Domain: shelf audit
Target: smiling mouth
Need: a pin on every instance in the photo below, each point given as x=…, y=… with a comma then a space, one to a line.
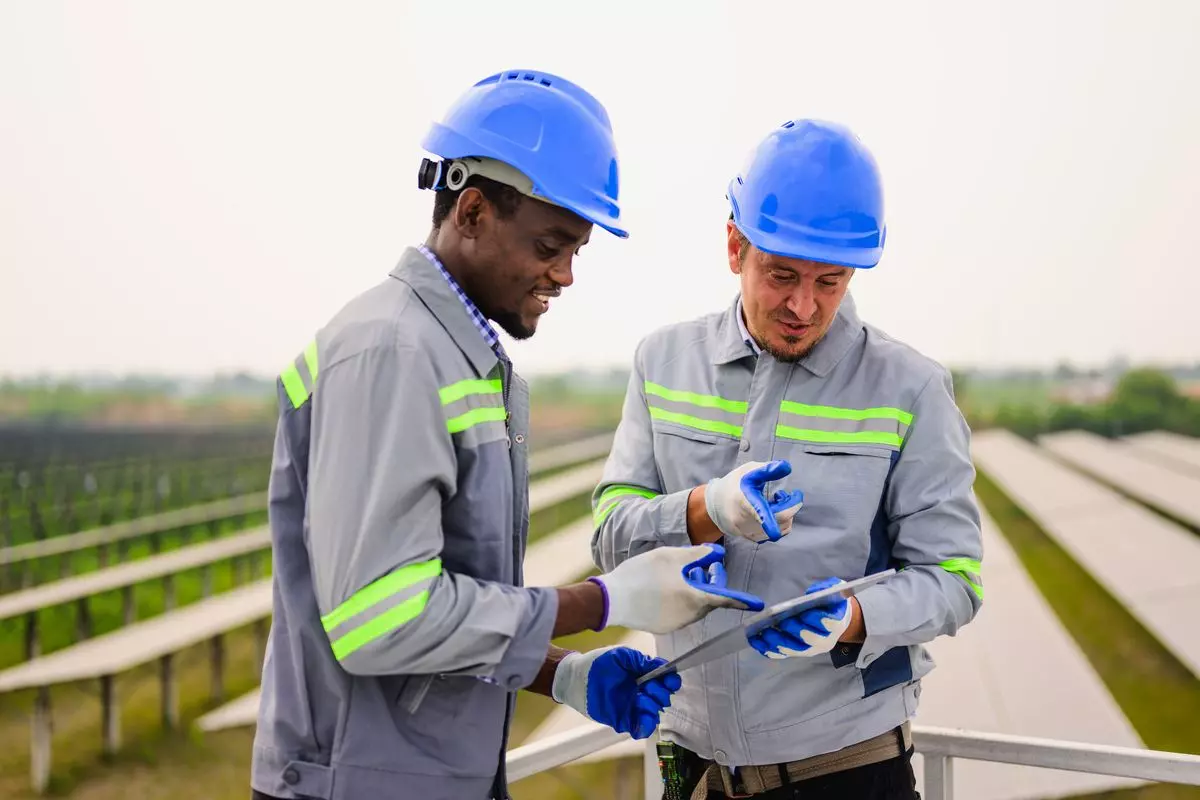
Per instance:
x=543, y=298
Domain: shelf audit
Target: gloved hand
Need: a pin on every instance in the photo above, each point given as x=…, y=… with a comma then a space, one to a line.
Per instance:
x=602, y=685
x=811, y=632
x=666, y=588
x=736, y=504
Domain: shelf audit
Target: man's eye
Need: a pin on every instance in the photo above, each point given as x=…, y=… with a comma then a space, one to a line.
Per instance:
x=829, y=283
x=544, y=250
x=782, y=277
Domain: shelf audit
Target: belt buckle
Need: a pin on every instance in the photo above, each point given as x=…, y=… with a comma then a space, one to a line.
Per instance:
x=732, y=783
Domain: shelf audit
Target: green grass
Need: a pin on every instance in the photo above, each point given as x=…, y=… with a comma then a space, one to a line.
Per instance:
x=1158, y=694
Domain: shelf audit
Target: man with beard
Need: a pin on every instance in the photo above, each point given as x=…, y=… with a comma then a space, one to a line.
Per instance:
x=399, y=488
x=789, y=388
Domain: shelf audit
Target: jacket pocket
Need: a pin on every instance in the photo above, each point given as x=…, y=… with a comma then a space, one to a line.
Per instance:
x=687, y=457
x=455, y=730
x=843, y=487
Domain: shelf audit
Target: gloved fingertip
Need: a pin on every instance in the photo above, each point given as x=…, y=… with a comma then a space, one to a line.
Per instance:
x=779, y=468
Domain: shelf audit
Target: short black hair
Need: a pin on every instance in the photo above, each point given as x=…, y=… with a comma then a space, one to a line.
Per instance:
x=504, y=197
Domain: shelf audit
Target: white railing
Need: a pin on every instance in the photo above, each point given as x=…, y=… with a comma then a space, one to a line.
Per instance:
x=938, y=747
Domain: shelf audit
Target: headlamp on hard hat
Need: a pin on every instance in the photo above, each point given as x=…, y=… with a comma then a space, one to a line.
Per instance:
x=452, y=173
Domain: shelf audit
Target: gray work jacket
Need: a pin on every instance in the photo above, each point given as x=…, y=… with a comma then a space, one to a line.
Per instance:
x=399, y=516
x=882, y=455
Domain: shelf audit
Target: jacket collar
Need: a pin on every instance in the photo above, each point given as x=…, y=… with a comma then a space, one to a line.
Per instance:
x=841, y=336
x=416, y=270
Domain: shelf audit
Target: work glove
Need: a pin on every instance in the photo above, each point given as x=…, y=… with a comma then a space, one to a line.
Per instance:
x=602, y=685
x=666, y=588
x=811, y=632
x=736, y=504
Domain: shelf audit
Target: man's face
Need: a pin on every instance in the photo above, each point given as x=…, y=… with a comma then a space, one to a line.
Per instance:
x=789, y=303
x=519, y=263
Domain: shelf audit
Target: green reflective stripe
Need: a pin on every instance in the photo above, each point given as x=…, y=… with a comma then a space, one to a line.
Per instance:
x=457, y=391
x=833, y=412
x=297, y=388
x=310, y=358
x=703, y=400
x=838, y=437
x=476, y=416
x=712, y=426
x=611, y=497
x=294, y=385
x=969, y=570
x=379, y=590
x=383, y=624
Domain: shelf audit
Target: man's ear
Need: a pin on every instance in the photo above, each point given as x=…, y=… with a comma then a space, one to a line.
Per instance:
x=470, y=212
x=734, y=247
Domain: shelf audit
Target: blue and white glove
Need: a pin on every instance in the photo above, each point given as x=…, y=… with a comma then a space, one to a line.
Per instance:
x=736, y=504
x=664, y=589
x=811, y=632
x=602, y=685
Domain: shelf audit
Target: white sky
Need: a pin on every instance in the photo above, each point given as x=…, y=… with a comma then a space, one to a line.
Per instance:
x=193, y=187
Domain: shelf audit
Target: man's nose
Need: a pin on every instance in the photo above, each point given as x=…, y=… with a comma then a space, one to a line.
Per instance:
x=561, y=273
x=803, y=301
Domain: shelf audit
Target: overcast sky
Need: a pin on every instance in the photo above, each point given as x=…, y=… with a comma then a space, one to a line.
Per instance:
x=189, y=187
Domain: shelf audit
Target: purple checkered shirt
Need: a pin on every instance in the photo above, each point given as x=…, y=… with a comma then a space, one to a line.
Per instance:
x=485, y=329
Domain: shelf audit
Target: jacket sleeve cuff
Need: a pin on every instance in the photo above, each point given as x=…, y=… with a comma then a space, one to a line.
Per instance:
x=670, y=520
x=527, y=651
x=879, y=622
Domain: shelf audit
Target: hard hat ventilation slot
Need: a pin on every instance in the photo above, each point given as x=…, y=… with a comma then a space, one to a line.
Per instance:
x=528, y=76
x=789, y=124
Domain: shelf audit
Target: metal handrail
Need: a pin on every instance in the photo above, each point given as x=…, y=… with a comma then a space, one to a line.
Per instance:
x=938, y=746
x=559, y=749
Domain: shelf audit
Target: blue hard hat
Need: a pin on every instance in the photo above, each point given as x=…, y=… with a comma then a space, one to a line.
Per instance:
x=812, y=190
x=546, y=128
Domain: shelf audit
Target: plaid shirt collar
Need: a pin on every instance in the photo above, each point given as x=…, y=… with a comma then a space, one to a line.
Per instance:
x=485, y=329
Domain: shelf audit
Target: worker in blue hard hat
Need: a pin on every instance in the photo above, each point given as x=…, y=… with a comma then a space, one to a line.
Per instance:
x=818, y=449
x=399, y=488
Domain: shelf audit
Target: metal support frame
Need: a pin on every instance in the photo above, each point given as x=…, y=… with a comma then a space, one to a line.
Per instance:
x=169, y=685
x=216, y=653
x=128, y=606
x=83, y=619
x=110, y=715
x=939, y=778
x=41, y=734
x=33, y=639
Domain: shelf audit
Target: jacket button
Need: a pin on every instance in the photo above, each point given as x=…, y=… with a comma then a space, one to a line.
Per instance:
x=519, y=438
x=745, y=445
x=845, y=650
x=719, y=756
x=290, y=776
